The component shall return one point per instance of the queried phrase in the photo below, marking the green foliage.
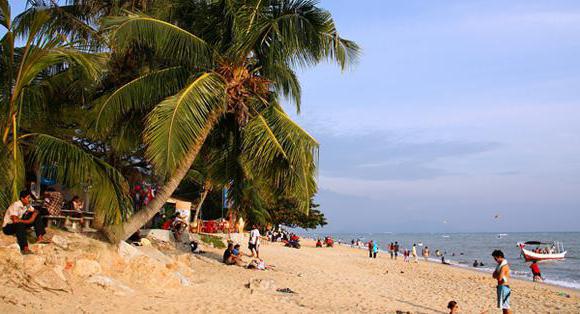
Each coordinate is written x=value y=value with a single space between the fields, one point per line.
x=217 y=242
x=286 y=213
x=109 y=189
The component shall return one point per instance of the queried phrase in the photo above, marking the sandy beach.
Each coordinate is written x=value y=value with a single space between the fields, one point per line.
x=325 y=280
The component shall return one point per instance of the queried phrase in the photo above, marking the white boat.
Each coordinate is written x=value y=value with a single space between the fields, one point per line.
x=501 y=235
x=542 y=251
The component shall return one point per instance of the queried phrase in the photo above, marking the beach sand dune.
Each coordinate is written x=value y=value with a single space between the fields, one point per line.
x=324 y=280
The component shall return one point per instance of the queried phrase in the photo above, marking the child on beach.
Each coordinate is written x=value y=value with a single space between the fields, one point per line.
x=502 y=275
x=453 y=307
x=536 y=271
x=426 y=253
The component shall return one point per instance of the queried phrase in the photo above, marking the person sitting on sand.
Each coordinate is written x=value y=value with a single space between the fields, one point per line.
x=502 y=275
x=536 y=271
x=229 y=258
x=453 y=307
x=443 y=261
x=21 y=216
x=318 y=243
x=475 y=263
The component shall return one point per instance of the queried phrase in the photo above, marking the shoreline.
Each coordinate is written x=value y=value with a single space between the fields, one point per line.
x=466 y=267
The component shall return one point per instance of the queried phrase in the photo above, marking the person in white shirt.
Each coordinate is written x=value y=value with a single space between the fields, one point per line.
x=21 y=216
x=254 y=243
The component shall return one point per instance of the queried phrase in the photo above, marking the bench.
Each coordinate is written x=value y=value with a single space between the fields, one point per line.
x=72 y=223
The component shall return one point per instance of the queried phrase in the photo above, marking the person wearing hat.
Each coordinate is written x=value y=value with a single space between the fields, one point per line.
x=21 y=216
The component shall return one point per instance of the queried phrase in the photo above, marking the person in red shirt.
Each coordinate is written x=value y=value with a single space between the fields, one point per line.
x=536 y=271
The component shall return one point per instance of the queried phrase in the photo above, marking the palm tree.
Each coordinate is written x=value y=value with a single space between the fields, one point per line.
x=35 y=79
x=200 y=81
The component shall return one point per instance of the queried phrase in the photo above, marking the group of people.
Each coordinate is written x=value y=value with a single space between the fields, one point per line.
x=22 y=215
x=233 y=254
x=328 y=241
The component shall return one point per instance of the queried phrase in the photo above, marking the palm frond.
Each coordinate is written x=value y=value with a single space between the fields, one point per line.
x=178 y=122
x=75 y=167
x=5 y=14
x=285 y=81
x=278 y=149
x=138 y=95
x=171 y=43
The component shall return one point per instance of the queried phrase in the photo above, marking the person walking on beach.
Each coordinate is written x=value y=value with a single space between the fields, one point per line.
x=536 y=271
x=414 y=253
x=396 y=249
x=426 y=253
x=502 y=275
x=370 y=246
x=375 y=249
x=391 y=249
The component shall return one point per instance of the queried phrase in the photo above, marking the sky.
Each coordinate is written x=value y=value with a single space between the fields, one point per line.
x=457 y=112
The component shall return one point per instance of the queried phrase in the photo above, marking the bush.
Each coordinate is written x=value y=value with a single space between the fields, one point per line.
x=217 y=242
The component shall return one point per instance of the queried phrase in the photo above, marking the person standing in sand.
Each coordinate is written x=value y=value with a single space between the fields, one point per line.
x=426 y=253
x=370 y=246
x=396 y=249
x=391 y=249
x=375 y=249
x=254 y=242
x=414 y=253
x=502 y=275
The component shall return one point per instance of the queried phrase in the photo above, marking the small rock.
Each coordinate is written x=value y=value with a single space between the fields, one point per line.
x=59 y=271
x=108 y=282
x=127 y=251
x=262 y=284
x=86 y=268
x=182 y=279
x=158 y=235
x=33 y=263
x=61 y=242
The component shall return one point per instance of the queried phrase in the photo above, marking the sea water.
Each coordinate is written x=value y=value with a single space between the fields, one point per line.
x=461 y=249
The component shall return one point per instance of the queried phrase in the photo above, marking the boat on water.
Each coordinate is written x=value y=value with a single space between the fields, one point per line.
x=501 y=235
x=541 y=251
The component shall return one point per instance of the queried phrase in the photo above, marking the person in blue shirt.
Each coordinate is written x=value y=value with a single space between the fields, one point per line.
x=375 y=249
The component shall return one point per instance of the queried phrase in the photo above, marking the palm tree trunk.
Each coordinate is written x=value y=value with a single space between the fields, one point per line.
x=198 y=207
x=122 y=231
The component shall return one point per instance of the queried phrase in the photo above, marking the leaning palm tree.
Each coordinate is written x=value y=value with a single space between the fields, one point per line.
x=34 y=79
x=202 y=81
